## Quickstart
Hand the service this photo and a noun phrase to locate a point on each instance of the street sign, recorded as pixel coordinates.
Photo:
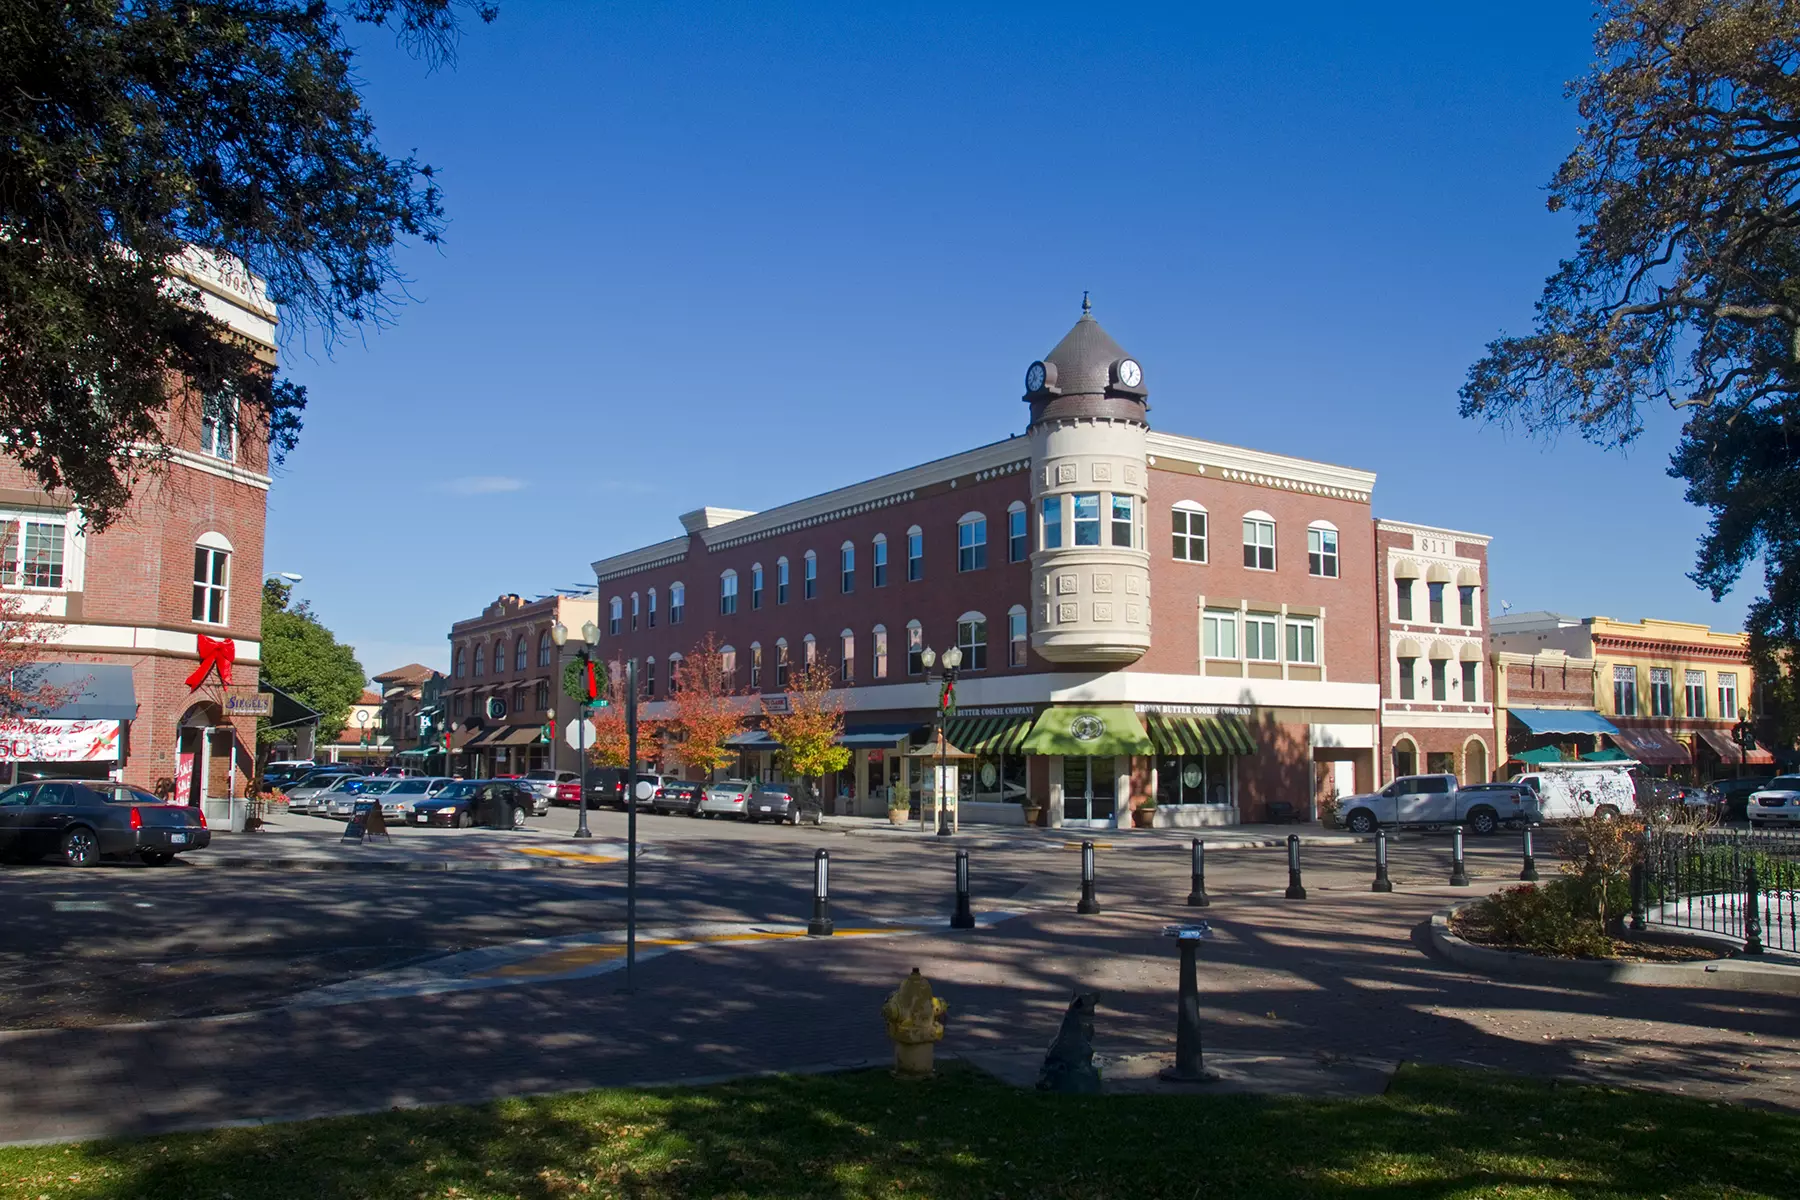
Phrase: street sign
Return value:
(572, 733)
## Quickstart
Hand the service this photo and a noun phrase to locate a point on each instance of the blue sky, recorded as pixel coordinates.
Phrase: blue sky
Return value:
(735, 255)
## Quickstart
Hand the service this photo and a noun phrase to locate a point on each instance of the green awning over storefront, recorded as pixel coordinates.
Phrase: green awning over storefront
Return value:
(1198, 735)
(1543, 754)
(988, 735)
(1610, 754)
(1098, 729)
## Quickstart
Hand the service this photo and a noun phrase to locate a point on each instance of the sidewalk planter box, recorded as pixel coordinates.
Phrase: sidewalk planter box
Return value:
(226, 815)
(991, 812)
(1195, 816)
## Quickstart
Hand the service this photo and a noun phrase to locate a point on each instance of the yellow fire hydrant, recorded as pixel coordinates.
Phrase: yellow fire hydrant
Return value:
(915, 1019)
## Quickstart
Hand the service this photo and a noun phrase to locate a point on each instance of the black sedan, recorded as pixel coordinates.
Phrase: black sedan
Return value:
(677, 796)
(471, 802)
(787, 802)
(83, 822)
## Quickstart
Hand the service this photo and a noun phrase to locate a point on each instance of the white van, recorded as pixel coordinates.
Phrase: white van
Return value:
(1569, 790)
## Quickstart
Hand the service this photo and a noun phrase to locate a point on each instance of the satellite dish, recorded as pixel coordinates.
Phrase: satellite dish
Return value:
(1505, 607)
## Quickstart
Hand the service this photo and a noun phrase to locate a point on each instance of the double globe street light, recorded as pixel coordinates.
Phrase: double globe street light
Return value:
(946, 708)
(590, 633)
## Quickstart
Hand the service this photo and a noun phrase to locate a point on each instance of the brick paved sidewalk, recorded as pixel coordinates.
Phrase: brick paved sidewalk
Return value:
(1342, 974)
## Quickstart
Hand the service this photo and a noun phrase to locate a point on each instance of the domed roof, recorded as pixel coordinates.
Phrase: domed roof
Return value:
(1082, 377)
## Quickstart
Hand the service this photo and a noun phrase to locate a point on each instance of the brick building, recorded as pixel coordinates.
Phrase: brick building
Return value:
(1437, 713)
(402, 699)
(1140, 613)
(176, 578)
(505, 685)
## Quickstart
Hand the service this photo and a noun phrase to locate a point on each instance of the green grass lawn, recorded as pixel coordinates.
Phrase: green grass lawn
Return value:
(1437, 1133)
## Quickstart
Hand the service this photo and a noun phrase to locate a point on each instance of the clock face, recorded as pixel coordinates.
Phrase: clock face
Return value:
(1034, 377)
(1130, 374)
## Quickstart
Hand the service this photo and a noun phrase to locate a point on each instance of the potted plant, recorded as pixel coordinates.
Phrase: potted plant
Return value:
(899, 802)
(1144, 815)
(1032, 809)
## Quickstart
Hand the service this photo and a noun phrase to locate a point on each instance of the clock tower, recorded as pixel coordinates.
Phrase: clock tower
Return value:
(1090, 566)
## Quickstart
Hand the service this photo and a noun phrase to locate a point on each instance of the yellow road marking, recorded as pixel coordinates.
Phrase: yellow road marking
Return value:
(570, 855)
(1077, 845)
(575, 958)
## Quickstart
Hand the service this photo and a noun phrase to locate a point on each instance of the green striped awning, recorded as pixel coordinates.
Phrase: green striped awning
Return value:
(1198, 735)
(988, 735)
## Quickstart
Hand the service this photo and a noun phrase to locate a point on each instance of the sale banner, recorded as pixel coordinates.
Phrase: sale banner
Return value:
(59, 741)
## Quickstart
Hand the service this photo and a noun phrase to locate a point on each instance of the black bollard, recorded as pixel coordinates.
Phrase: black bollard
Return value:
(1294, 890)
(964, 916)
(1459, 873)
(1637, 897)
(820, 925)
(1529, 873)
(1189, 1066)
(1087, 906)
(1382, 882)
(1197, 897)
(1753, 943)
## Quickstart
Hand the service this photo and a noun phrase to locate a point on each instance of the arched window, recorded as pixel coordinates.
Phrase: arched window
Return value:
(810, 649)
(1322, 549)
(615, 615)
(545, 654)
(755, 666)
(461, 660)
(971, 639)
(1259, 541)
(650, 678)
(880, 640)
(727, 593)
(1017, 540)
(756, 586)
(781, 581)
(810, 577)
(781, 662)
(41, 565)
(915, 648)
(634, 610)
(878, 560)
(728, 667)
(847, 656)
(1016, 635)
(847, 568)
(480, 657)
(971, 542)
(543, 695)
(1188, 521)
(677, 602)
(915, 554)
(521, 655)
(1406, 757)
(675, 661)
(499, 658)
(650, 609)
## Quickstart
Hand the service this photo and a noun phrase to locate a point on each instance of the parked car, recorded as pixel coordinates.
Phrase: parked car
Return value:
(540, 785)
(1569, 790)
(403, 772)
(1729, 797)
(1437, 800)
(1777, 804)
(726, 799)
(677, 796)
(83, 823)
(606, 787)
(398, 801)
(357, 792)
(313, 794)
(469, 802)
(787, 802)
(553, 786)
(286, 770)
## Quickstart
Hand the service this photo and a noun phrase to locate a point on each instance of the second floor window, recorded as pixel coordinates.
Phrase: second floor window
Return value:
(1219, 629)
(810, 579)
(1408, 672)
(1625, 691)
(1728, 700)
(915, 556)
(480, 658)
(728, 593)
(1086, 507)
(677, 603)
(31, 554)
(1470, 683)
(847, 656)
(218, 426)
(781, 581)
(1440, 682)
(546, 652)
(1050, 521)
(636, 603)
(1123, 519)
(781, 664)
(915, 649)
(880, 641)
(971, 639)
(971, 544)
(521, 655)
(1259, 638)
(1303, 641)
(878, 562)
(650, 611)
(212, 580)
(1662, 692)
(1465, 603)
(1016, 547)
(1434, 602)
(1694, 685)
(847, 569)
(1322, 552)
(1190, 534)
(1403, 600)
(1259, 544)
(755, 667)
(756, 587)
(1016, 637)
(615, 616)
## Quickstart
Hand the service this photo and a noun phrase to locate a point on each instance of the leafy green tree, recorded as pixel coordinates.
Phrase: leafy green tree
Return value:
(303, 659)
(1684, 288)
(132, 130)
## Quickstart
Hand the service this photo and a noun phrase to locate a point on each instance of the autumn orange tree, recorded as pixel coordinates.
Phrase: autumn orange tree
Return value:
(706, 710)
(808, 731)
(25, 694)
(609, 744)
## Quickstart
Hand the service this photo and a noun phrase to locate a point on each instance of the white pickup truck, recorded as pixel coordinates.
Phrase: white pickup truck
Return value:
(1437, 800)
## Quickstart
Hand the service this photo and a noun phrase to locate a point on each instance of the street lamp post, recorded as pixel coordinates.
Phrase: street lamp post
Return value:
(946, 707)
(590, 633)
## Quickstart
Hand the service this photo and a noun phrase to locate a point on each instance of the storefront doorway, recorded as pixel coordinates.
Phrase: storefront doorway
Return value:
(1090, 792)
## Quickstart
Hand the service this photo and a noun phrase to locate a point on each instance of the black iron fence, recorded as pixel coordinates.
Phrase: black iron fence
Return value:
(1741, 883)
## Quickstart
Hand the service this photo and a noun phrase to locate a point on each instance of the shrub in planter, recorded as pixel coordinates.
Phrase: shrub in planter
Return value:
(1556, 918)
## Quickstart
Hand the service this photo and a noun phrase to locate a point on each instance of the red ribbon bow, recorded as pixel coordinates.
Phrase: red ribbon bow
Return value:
(213, 653)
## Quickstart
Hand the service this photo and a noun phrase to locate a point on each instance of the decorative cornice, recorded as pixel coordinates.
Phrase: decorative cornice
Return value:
(647, 558)
(1651, 647)
(1259, 468)
(207, 464)
(1386, 526)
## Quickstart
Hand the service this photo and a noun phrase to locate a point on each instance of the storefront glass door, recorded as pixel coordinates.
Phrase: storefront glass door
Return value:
(1089, 789)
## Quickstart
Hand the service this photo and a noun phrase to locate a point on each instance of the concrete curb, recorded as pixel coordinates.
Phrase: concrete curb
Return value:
(371, 865)
(1730, 974)
(1121, 839)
